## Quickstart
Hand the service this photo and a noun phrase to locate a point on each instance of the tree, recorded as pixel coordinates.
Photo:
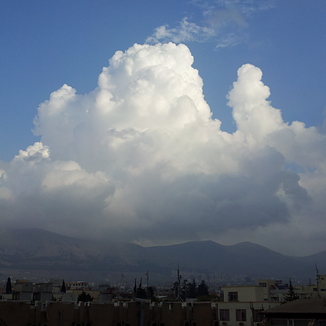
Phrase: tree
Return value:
(141, 293)
(291, 295)
(63, 287)
(150, 292)
(192, 289)
(184, 290)
(202, 289)
(175, 290)
(8, 286)
(84, 297)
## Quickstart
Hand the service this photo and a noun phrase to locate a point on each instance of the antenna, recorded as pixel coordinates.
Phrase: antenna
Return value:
(318, 284)
(147, 279)
(135, 286)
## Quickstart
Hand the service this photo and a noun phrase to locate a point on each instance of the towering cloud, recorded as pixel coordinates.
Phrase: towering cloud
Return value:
(141, 159)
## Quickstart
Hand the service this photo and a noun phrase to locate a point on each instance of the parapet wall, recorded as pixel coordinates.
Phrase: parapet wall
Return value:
(115, 314)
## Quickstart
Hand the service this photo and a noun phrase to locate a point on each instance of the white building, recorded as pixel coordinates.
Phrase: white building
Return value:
(242, 305)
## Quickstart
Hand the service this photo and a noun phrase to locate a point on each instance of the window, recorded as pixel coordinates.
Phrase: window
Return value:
(224, 314)
(240, 315)
(36, 296)
(15, 295)
(257, 316)
(233, 296)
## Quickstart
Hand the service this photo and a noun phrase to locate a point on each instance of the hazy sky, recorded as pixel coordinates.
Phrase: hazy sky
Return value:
(206, 122)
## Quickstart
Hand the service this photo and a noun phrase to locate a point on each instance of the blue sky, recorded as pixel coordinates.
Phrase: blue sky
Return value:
(46, 44)
(131, 152)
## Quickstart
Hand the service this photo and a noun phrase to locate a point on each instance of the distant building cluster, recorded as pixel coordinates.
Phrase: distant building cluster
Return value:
(269, 303)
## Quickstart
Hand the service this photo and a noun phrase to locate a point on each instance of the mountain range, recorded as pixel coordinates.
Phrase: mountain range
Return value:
(36, 251)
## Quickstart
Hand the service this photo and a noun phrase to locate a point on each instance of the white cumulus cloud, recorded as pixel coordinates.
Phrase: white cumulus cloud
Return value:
(141, 159)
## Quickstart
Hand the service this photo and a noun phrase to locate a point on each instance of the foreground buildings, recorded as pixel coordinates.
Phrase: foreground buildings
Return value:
(115, 314)
(310, 312)
(302, 312)
(43, 304)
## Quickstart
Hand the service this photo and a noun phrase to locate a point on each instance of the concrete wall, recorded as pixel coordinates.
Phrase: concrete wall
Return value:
(245, 293)
(14, 313)
(95, 314)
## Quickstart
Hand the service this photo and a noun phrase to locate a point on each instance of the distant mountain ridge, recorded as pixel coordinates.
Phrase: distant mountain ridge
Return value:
(243, 258)
(32, 249)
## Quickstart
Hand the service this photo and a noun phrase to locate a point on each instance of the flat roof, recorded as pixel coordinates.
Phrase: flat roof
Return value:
(300, 306)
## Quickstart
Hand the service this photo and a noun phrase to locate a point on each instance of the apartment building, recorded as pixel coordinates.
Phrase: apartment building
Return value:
(24, 290)
(80, 285)
(242, 305)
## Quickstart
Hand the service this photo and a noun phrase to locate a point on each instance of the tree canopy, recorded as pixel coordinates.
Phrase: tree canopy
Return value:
(84, 297)
(291, 294)
(190, 290)
(8, 286)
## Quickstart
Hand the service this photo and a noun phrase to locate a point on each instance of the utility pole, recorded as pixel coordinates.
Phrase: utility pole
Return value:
(179, 285)
(121, 287)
